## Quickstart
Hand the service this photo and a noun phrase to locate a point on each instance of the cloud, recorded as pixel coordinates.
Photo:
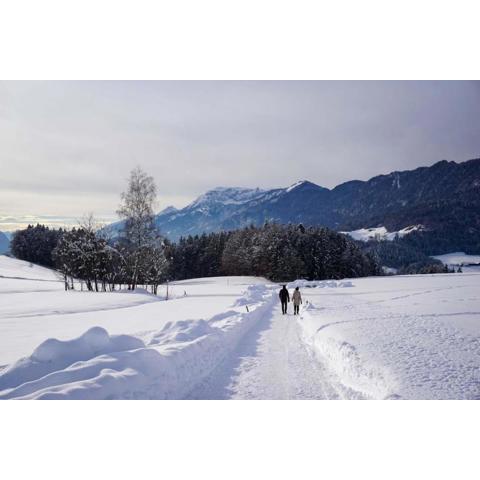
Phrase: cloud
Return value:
(67, 147)
(11, 224)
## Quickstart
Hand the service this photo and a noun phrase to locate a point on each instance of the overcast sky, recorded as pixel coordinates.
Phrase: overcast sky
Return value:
(67, 147)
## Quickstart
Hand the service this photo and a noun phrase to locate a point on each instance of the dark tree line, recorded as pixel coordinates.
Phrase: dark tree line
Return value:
(196, 256)
(35, 244)
(277, 252)
(401, 255)
(460, 236)
(425, 267)
(394, 253)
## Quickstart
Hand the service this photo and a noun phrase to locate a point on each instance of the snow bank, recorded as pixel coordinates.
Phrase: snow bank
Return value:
(97, 365)
(53, 355)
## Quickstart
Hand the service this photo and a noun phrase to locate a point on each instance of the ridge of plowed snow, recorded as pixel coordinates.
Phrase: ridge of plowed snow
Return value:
(99, 366)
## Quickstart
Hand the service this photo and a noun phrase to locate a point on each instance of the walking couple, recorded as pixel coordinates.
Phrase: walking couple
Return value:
(285, 298)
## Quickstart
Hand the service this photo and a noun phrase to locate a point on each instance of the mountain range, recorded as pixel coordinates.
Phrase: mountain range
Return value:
(443, 198)
(4, 243)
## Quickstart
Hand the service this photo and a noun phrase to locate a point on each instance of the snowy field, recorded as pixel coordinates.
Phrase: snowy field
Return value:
(412, 337)
(398, 337)
(32, 311)
(469, 263)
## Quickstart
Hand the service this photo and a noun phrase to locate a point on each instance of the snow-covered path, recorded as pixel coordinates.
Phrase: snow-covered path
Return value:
(271, 362)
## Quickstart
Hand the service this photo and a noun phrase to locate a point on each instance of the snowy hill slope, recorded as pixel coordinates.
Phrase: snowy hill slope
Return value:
(19, 269)
(381, 233)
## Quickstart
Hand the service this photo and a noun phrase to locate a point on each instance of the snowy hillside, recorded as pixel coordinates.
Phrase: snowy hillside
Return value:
(383, 337)
(19, 269)
(381, 233)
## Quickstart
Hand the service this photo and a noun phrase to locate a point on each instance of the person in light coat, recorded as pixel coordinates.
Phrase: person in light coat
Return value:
(297, 300)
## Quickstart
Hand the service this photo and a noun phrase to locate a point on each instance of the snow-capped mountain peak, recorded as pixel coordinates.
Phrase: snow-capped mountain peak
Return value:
(225, 196)
(295, 185)
(168, 210)
(301, 184)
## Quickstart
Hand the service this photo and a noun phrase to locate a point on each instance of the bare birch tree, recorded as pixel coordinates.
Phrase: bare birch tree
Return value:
(141, 235)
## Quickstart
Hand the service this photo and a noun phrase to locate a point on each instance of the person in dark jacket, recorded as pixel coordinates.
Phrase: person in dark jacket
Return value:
(284, 298)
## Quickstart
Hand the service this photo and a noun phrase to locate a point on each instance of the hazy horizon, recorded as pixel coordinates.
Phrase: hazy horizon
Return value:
(68, 147)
